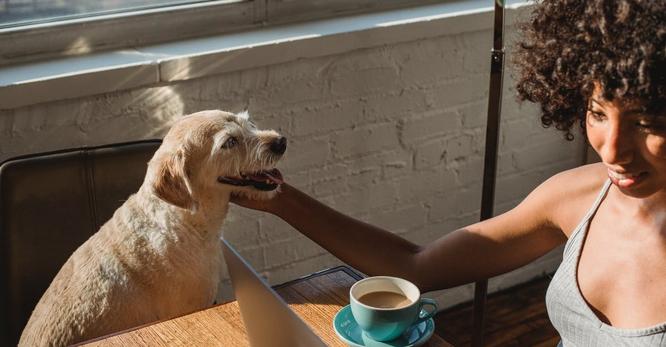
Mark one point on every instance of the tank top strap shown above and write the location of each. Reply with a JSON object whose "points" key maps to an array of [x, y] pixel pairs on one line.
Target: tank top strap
{"points": [[582, 226]]}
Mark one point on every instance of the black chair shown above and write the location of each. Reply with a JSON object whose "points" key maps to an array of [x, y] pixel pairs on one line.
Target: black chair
{"points": [[50, 203]]}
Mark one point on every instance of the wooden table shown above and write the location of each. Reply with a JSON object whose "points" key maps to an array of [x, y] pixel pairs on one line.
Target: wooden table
{"points": [[315, 298]]}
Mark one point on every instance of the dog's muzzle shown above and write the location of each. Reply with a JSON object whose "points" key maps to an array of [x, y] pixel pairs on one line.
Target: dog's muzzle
{"points": [[265, 180]]}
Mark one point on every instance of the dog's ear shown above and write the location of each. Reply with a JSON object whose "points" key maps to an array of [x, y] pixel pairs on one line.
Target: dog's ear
{"points": [[171, 181], [243, 115]]}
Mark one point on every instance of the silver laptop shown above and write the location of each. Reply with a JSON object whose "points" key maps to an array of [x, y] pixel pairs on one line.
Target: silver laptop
{"points": [[268, 320]]}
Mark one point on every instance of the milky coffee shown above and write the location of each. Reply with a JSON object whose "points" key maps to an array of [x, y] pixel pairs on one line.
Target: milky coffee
{"points": [[384, 299]]}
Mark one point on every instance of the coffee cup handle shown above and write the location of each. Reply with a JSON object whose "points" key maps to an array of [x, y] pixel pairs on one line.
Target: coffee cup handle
{"points": [[425, 314]]}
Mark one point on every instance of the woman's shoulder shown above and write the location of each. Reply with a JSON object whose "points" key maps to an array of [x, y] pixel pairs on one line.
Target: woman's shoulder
{"points": [[572, 193], [580, 181]]}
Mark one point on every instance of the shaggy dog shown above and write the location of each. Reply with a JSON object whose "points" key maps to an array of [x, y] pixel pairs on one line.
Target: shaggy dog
{"points": [[159, 256]]}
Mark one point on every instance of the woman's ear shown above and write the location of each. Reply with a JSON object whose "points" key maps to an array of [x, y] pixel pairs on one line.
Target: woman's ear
{"points": [[171, 179]]}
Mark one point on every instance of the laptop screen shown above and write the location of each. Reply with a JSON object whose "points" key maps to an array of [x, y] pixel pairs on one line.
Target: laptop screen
{"points": [[268, 320]]}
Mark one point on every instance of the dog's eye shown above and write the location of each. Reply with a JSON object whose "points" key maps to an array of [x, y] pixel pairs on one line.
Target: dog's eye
{"points": [[230, 143]]}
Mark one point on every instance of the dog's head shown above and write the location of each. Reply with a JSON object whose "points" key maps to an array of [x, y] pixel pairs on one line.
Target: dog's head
{"points": [[214, 152]]}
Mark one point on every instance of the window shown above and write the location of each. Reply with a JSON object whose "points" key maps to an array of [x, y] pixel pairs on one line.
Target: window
{"points": [[16, 13], [40, 29]]}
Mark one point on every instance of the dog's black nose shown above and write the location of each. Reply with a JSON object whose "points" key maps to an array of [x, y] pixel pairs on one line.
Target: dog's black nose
{"points": [[279, 145]]}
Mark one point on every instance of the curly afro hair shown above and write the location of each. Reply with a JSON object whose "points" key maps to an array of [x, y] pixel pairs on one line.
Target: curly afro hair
{"points": [[569, 45]]}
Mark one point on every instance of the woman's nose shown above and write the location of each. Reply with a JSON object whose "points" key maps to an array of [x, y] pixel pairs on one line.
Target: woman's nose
{"points": [[618, 146]]}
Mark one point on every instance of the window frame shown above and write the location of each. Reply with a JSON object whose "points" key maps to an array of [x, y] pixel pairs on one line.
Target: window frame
{"points": [[126, 30]]}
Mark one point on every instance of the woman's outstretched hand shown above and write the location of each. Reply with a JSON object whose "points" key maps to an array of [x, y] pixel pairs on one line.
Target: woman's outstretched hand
{"points": [[266, 205]]}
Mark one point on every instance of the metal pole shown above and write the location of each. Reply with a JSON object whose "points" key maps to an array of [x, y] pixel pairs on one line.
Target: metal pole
{"points": [[490, 158]]}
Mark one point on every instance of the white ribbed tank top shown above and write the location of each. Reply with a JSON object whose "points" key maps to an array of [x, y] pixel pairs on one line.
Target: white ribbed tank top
{"points": [[575, 321]]}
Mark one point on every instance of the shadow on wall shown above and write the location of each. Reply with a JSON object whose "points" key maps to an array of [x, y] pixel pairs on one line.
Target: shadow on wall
{"points": [[122, 116]]}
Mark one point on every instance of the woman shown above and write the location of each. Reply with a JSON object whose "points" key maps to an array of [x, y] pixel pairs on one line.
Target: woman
{"points": [[599, 64]]}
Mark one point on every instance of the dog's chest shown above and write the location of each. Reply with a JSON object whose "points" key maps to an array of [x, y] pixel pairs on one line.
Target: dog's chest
{"points": [[182, 272], [195, 266], [174, 262], [190, 284]]}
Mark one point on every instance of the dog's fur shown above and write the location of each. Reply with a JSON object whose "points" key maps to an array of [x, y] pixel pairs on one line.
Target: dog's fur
{"points": [[159, 255]]}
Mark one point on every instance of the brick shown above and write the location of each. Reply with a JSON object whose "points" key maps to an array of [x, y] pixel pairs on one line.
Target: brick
{"points": [[519, 185], [304, 153], [479, 141], [428, 125], [329, 172], [429, 61], [456, 203], [519, 133], [254, 256], [298, 179], [252, 80], [279, 123], [476, 51], [361, 72], [401, 219], [424, 184], [543, 154], [239, 229], [396, 168], [393, 162], [512, 109], [296, 91], [284, 73], [506, 164], [291, 250], [280, 253], [458, 147], [326, 118], [469, 172], [359, 179], [377, 159], [471, 88], [366, 140], [366, 199], [402, 104], [331, 179], [213, 88], [306, 248], [6, 124], [429, 154], [286, 83], [272, 229], [364, 81], [474, 115]]}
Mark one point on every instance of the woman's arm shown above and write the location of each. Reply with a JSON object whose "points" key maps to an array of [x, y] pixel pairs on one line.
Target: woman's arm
{"points": [[481, 250]]}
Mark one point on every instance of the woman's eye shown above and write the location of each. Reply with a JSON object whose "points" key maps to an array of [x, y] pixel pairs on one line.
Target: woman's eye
{"points": [[645, 124], [650, 125], [230, 143], [596, 115]]}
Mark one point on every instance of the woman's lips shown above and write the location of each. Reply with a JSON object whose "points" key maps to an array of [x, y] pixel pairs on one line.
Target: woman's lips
{"points": [[625, 179]]}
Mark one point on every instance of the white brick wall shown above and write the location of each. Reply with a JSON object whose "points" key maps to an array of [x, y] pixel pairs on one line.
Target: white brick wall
{"points": [[392, 135]]}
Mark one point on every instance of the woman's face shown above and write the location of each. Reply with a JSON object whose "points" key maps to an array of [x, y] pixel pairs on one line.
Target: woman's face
{"points": [[631, 144]]}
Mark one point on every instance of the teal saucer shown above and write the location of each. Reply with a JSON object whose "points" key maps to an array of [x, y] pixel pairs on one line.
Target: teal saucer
{"points": [[348, 331]]}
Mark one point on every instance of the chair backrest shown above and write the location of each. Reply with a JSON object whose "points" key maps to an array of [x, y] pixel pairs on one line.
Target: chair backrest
{"points": [[50, 203]]}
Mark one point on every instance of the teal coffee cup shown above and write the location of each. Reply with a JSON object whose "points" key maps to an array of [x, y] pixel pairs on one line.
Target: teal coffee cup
{"points": [[385, 307]]}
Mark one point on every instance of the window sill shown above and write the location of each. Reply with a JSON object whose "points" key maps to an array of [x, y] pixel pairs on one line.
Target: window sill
{"points": [[100, 73]]}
